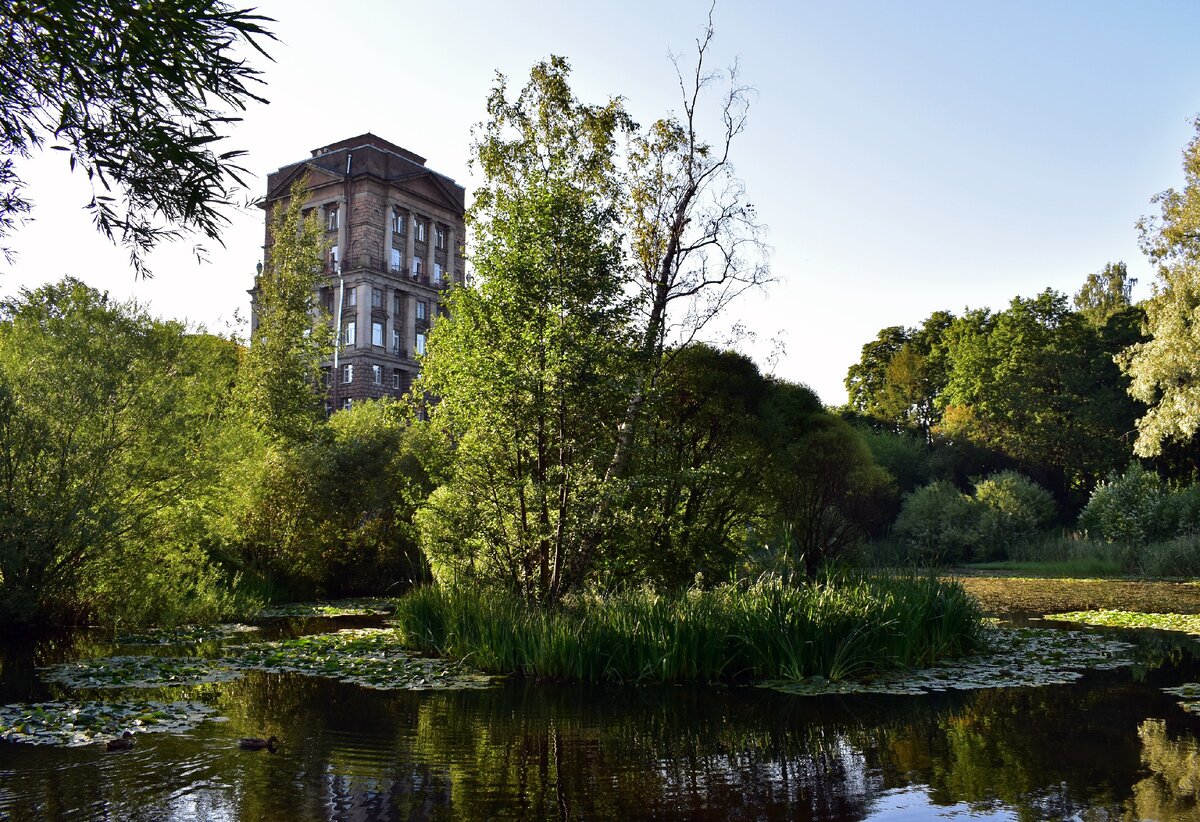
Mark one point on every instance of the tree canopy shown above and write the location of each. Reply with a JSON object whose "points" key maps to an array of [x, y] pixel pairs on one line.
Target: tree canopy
{"points": [[136, 95]]}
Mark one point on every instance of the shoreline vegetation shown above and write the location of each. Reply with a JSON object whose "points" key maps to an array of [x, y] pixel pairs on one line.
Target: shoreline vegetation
{"points": [[835, 628]]}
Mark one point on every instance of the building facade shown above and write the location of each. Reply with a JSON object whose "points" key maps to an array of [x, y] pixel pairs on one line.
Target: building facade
{"points": [[394, 230]]}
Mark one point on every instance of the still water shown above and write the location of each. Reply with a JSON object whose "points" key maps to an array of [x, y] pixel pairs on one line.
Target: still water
{"points": [[1112, 746]]}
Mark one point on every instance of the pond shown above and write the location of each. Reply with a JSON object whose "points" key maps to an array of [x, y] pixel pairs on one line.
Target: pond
{"points": [[1111, 745]]}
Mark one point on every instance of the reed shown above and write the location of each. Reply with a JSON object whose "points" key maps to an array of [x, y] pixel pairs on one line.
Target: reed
{"points": [[836, 628]]}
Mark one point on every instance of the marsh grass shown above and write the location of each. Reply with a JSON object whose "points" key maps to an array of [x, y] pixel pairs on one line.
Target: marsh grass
{"points": [[835, 628]]}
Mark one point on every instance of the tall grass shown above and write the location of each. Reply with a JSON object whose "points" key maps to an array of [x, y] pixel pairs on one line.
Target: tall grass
{"points": [[836, 628]]}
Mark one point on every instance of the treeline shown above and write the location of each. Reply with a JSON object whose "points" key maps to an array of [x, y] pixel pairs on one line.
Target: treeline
{"points": [[1053, 415]]}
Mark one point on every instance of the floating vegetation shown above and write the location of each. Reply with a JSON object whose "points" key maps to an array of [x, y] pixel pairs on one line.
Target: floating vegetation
{"points": [[1004, 595], [1018, 657], [1184, 623], [1190, 693], [138, 672], [74, 724], [183, 635], [363, 606], [371, 657]]}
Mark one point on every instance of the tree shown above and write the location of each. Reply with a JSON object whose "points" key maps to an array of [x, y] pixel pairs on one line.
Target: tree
{"points": [[104, 431], [136, 94], [526, 367], [1105, 293], [279, 386]]}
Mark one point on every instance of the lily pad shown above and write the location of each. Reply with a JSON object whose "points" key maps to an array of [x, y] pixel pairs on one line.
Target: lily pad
{"points": [[363, 606], [1017, 657], [183, 635], [74, 724], [371, 657], [1184, 623], [138, 672]]}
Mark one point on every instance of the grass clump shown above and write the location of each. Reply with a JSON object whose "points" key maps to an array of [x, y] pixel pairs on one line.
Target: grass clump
{"points": [[770, 630]]}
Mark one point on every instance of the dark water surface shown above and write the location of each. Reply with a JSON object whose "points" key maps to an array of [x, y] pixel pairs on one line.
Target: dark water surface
{"points": [[1110, 747]]}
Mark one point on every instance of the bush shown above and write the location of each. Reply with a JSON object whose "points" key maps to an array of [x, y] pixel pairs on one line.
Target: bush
{"points": [[1014, 509], [1125, 508], [939, 523]]}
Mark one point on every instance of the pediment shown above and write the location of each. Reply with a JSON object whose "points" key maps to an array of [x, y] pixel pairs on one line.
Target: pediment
{"points": [[317, 176], [432, 187]]}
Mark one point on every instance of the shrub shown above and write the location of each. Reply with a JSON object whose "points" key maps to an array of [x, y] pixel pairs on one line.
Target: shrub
{"points": [[939, 522], [1124, 508], [1178, 557], [1013, 510]]}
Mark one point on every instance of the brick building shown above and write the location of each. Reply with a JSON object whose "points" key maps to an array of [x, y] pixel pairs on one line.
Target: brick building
{"points": [[395, 233]]}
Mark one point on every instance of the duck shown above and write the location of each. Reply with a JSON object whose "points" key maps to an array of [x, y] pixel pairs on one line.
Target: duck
{"points": [[122, 743], [253, 743]]}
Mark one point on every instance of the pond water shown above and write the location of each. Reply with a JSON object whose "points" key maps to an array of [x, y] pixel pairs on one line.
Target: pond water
{"points": [[1111, 746]]}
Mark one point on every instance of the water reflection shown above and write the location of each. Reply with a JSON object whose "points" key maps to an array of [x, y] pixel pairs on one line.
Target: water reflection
{"points": [[1110, 747]]}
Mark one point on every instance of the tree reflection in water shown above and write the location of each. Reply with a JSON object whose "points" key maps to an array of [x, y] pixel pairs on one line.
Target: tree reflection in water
{"points": [[538, 751]]}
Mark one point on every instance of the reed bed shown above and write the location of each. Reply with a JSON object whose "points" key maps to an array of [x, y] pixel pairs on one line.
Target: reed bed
{"points": [[770, 630]]}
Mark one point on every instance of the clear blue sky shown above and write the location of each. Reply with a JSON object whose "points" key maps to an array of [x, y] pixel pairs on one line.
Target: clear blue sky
{"points": [[907, 157]]}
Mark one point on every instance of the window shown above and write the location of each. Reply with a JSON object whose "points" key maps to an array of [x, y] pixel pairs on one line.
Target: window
{"points": [[376, 298], [331, 218], [347, 404], [421, 344], [351, 296], [377, 374], [437, 273], [349, 334], [419, 230], [418, 264], [399, 305], [398, 221], [376, 333], [396, 341], [422, 310], [348, 373], [396, 262], [333, 258], [326, 376], [439, 235], [395, 378]]}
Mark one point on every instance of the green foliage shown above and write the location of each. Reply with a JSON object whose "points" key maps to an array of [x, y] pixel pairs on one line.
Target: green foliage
{"points": [[1124, 508], [527, 366], [279, 382], [835, 629], [1176, 557], [1163, 369], [1015, 509], [334, 516], [1005, 510], [105, 440], [136, 94], [939, 522], [1105, 294]]}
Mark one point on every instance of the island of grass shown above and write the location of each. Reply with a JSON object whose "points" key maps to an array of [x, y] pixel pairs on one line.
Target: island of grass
{"points": [[834, 629]]}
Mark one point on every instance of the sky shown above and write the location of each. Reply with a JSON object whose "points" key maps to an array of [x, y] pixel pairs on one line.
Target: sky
{"points": [[905, 157]]}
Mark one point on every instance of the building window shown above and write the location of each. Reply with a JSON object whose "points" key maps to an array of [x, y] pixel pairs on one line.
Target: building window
{"points": [[396, 263], [420, 343], [419, 230], [326, 376], [350, 335], [396, 378], [437, 273], [347, 404], [331, 218], [333, 258], [418, 264], [422, 310], [377, 374], [351, 296], [376, 298], [399, 304], [376, 333], [439, 236], [398, 221], [348, 373], [395, 341]]}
